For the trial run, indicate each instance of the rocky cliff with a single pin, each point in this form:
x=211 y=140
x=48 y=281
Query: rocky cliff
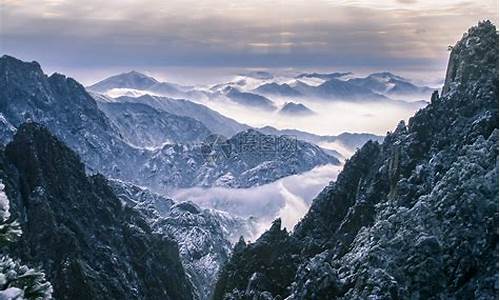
x=415 y=217
x=89 y=245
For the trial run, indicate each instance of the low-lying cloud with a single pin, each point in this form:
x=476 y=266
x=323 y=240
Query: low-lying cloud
x=288 y=198
x=330 y=118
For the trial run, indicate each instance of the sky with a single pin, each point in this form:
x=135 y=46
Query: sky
x=94 y=38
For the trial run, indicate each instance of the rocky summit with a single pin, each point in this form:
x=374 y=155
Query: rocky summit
x=415 y=217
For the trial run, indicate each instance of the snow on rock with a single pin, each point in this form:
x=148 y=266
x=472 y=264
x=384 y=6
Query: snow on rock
x=4 y=203
x=415 y=217
x=205 y=236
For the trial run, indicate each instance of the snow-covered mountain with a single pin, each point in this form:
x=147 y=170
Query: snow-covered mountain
x=205 y=236
x=130 y=80
x=214 y=121
x=145 y=127
x=64 y=107
x=393 y=86
x=415 y=217
x=135 y=83
x=247 y=159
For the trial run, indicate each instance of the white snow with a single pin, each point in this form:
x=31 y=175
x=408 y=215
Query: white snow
x=4 y=203
x=12 y=293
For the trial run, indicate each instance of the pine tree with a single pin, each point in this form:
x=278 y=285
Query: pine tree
x=17 y=281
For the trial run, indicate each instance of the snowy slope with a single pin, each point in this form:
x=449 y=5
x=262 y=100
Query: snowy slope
x=205 y=236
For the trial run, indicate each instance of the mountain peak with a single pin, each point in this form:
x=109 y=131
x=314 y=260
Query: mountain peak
x=137 y=74
x=11 y=59
x=474 y=58
x=131 y=80
x=401 y=214
x=387 y=75
x=262 y=75
x=8 y=62
x=297 y=109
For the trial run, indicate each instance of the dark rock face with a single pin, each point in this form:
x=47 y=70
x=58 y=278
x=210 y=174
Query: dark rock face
x=415 y=217
x=76 y=229
x=267 y=265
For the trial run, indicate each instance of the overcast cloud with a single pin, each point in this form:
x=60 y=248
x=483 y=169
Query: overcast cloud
x=91 y=35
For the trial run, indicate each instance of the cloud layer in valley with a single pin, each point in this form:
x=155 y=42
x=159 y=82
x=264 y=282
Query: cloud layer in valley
x=288 y=198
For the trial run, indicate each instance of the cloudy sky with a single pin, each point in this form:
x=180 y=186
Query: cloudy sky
x=86 y=38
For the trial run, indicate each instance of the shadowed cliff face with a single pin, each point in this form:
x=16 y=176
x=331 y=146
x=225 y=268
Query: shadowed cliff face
x=414 y=217
x=89 y=245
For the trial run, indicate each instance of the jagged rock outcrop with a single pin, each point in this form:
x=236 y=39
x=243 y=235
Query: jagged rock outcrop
x=264 y=266
x=89 y=245
x=415 y=217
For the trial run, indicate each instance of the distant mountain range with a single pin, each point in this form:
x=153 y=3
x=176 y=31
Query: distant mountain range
x=259 y=89
x=113 y=137
x=125 y=83
x=392 y=85
x=214 y=121
x=348 y=141
x=249 y=99
x=324 y=76
x=276 y=89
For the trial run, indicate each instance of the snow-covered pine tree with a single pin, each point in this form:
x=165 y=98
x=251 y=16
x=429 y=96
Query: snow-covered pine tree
x=17 y=281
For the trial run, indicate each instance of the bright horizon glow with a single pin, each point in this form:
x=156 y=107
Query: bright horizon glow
x=92 y=39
